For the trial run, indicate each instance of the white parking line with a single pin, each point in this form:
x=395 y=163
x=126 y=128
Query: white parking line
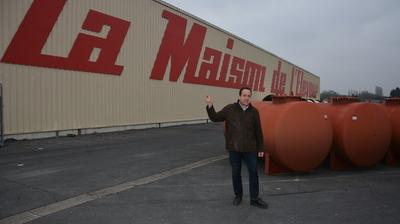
x=36 y=213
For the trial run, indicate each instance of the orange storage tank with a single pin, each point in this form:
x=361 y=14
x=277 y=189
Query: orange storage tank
x=361 y=133
x=297 y=134
x=392 y=107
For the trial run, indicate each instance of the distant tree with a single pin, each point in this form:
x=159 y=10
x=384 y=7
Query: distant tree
x=327 y=94
x=366 y=96
x=395 y=92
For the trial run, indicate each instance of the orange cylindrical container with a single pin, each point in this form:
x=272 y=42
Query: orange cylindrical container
x=297 y=134
x=361 y=132
x=392 y=107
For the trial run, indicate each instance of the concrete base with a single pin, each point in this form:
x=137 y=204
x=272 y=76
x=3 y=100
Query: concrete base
x=85 y=131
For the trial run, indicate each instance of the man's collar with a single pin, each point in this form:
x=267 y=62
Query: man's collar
x=243 y=106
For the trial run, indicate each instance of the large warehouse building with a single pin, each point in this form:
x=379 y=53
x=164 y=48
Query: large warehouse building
x=77 y=67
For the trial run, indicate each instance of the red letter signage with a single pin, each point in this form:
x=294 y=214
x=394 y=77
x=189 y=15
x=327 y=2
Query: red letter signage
x=179 y=51
x=28 y=42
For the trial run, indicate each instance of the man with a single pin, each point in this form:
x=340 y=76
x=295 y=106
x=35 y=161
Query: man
x=243 y=140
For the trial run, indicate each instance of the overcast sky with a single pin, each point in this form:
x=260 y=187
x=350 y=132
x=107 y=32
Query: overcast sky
x=350 y=44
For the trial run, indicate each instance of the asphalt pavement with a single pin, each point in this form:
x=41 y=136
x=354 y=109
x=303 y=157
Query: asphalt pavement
x=176 y=175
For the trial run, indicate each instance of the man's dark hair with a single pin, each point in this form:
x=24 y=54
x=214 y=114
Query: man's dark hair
x=241 y=89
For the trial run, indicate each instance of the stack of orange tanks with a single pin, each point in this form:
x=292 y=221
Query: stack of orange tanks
x=299 y=135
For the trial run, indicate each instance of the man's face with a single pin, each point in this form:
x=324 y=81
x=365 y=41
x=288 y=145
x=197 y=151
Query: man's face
x=244 y=98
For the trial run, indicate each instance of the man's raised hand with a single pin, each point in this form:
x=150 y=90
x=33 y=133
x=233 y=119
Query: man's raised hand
x=209 y=101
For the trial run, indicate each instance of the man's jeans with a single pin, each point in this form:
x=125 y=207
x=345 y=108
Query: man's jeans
x=236 y=162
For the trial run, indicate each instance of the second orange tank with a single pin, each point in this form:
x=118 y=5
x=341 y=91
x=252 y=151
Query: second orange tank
x=392 y=107
x=361 y=133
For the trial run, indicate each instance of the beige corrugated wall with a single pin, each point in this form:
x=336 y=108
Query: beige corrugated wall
x=38 y=99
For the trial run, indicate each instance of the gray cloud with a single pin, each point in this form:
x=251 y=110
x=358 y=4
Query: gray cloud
x=350 y=44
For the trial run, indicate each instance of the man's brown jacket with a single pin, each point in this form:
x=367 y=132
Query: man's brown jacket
x=243 y=128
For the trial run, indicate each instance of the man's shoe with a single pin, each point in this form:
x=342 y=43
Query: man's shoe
x=259 y=203
x=237 y=200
